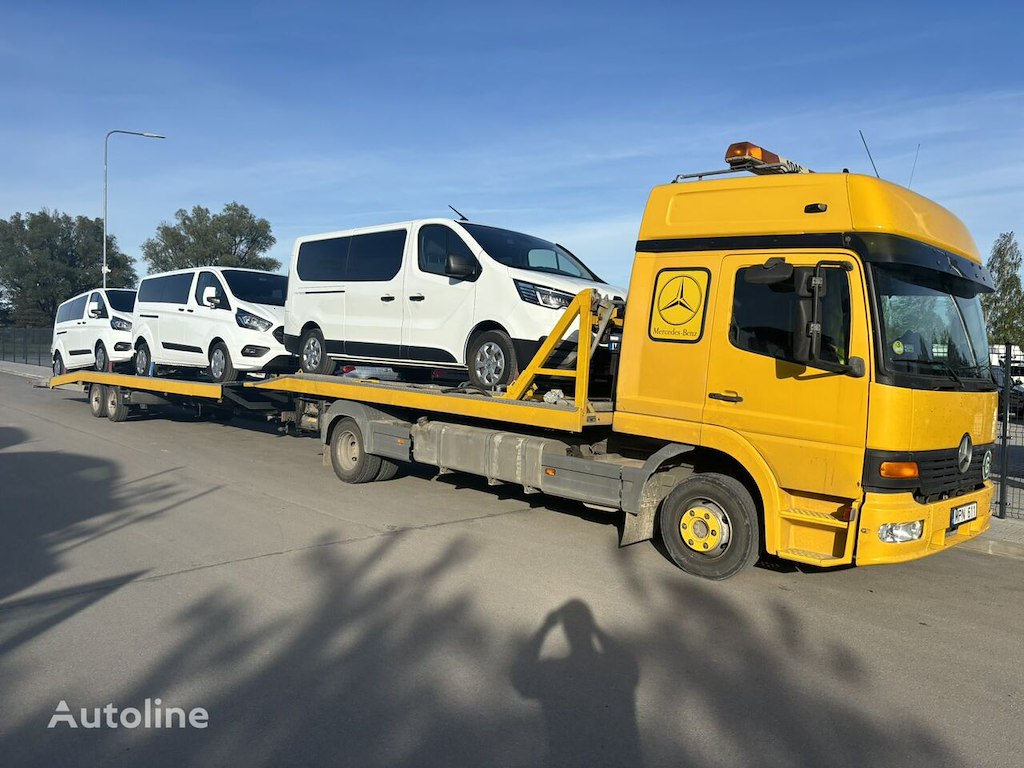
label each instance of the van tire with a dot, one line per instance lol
(712, 512)
(142, 359)
(313, 356)
(58, 365)
(117, 408)
(102, 358)
(351, 463)
(222, 370)
(491, 360)
(98, 400)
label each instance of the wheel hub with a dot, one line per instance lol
(311, 354)
(350, 451)
(490, 363)
(704, 528)
(217, 363)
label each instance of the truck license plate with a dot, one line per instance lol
(963, 513)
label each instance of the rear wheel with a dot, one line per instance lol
(98, 400)
(709, 526)
(222, 370)
(351, 462)
(58, 365)
(388, 469)
(142, 359)
(313, 353)
(491, 360)
(117, 408)
(102, 359)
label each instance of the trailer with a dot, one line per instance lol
(766, 396)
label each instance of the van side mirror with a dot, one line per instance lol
(461, 266)
(95, 310)
(210, 298)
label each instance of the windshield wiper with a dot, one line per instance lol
(944, 367)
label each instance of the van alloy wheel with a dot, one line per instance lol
(217, 363)
(312, 353)
(489, 363)
(102, 362)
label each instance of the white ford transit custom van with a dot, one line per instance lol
(94, 329)
(226, 319)
(435, 293)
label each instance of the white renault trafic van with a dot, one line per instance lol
(435, 293)
(225, 319)
(93, 329)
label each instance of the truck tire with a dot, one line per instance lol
(222, 370)
(313, 353)
(142, 359)
(117, 408)
(351, 463)
(98, 400)
(709, 526)
(491, 360)
(388, 469)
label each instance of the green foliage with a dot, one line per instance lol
(232, 238)
(47, 257)
(1004, 309)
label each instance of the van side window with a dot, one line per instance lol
(436, 242)
(63, 312)
(209, 280)
(76, 307)
(323, 259)
(97, 297)
(168, 289)
(762, 317)
(376, 256)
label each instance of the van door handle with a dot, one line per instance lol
(389, 297)
(417, 297)
(181, 309)
(726, 398)
(190, 310)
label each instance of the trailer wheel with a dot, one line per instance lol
(98, 400)
(709, 526)
(491, 360)
(58, 365)
(351, 462)
(117, 408)
(222, 370)
(142, 359)
(388, 469)
(313, 353)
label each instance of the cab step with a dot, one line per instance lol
(814, 518)
(811, 558)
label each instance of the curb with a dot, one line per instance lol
(996, 547)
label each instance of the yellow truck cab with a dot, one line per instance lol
(820, 338)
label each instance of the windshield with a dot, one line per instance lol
(932, 325)
(514, 249)
(121, 300)
(257, 287)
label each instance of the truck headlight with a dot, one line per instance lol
(896, 533)
(546, 297)
(251, 321)
(120, 325)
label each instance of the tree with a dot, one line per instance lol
(1004, 309)
(48, 257)
(232, 238)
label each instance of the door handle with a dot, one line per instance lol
(181, 309)
(417, 297)
(190, 310)
(387, 298)
(724, 397)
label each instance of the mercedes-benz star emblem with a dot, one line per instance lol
(679, 300)
(964, 454)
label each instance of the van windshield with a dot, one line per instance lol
(121, 300)
(514, 249)
(257, 287)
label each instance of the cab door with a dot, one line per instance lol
(808, 421)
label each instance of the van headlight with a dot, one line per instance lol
(120, 325)
(897, 533)
(251, 321)
(546, 297)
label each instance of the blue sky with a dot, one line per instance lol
(554, 118)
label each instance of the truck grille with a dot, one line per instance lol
(940, 476)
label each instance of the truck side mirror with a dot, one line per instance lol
(772, 272)
(210, 298)
(461, 266)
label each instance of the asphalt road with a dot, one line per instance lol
(404, 623)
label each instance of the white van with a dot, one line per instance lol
(226, 319)
(435, 293)
(94, 329)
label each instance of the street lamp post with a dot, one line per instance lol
(106, 143)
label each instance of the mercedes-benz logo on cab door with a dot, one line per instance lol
(964, 454)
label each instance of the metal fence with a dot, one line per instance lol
(26, 345)
(1008, 457)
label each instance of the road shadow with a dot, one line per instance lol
(587, 695)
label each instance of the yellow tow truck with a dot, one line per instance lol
(800, 369)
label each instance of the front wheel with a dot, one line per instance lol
(102, 359)
(142, 359)
(222, 370)
(58, 365)
(491, 360)
(709, 525)
(351, 462)
(313, 353)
